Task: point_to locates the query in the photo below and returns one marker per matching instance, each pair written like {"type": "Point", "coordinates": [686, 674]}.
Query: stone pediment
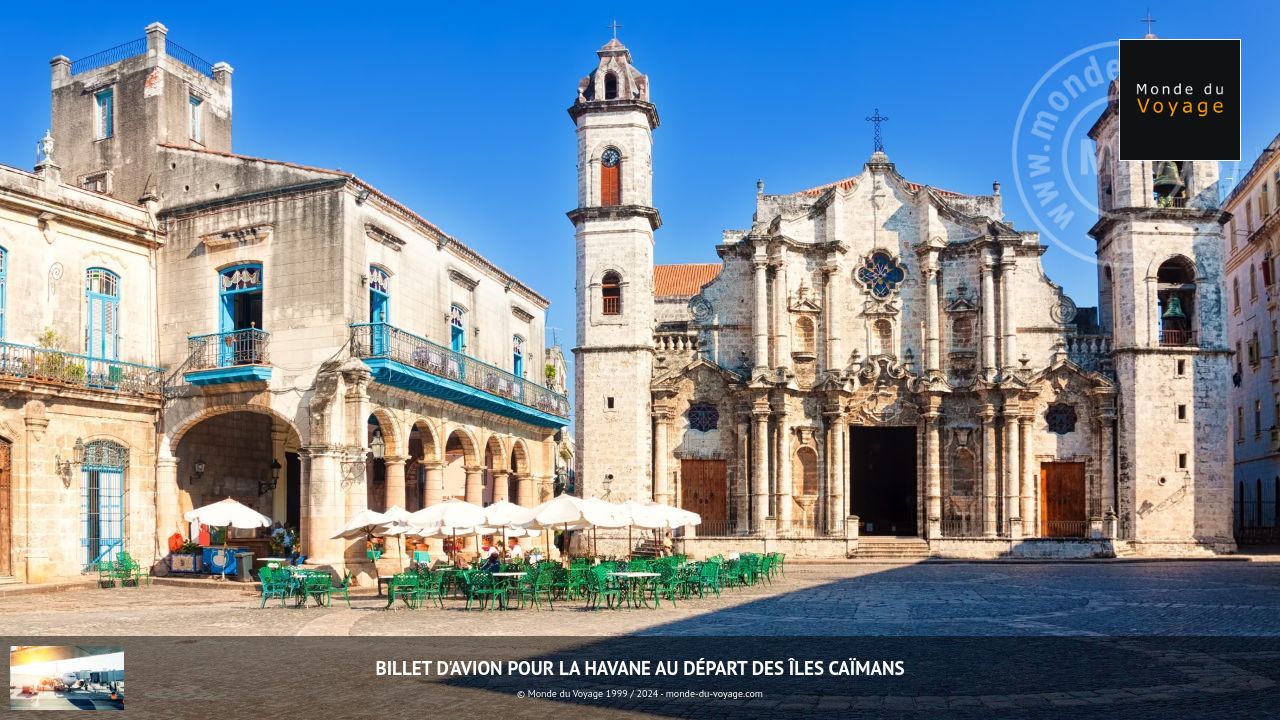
{"type": "Point", "coordinates": [699, 371]}
{"type": "Point", "coordinates": [962, 301]}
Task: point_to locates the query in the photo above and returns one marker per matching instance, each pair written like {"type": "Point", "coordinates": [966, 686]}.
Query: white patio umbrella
{"type": "Point", "coordinates": [360, 525]}
{"type": "Point", "coordinates": [657, 516]}
{"type": "Point", "coordinates": [450, 513]}
{"type": "Point", "coordinates": [570, 511]}
{"type": "Point", "coordinates": [504, 515]}
{"type": "Point", "coordinates": [396, 530]}
{"type": "Point", "coordinates": [227, 513]}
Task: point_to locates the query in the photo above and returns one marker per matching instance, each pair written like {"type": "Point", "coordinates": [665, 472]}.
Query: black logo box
{"type": "Point", "coordinates": [1187, 68]}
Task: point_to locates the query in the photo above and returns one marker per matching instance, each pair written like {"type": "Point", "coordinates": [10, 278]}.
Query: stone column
{"type": "Point", "coordinates": [781, 313]}
{"type": "Point", "coordinates": [434, 481]}
{"type": "Point", "coordinates": [1008, 266]}
{"type": "Point", "coordinates": [989, 363]}
{"type": "Point", "coordinates": [525, 491]}
{"type": "Point", "coordinates": [394, 486]}
{"type": "Point", "coordinates": [759, 470]}
{"type": "Point", "coordinates": [34, 564]}
{"type": "Point", "coordinates": [830, 304]}
{"type": "Point", "coordinates": [1029, 480]}
{"type": "Point", "coordinates": [473, 491]}
{"type": "Point", "coordinates": [661, 476]}
{"type": "Point", "coordinates": [742, 481]}
{"type": "Point", "coordinates": [168, 517]}
{"type": "Point", "coordinates": [280, 494]}
{"type": "Point", "coordinates": [932, 357]}
{"type": "Point", "coordinates": [990, 499]}
{"type": "Point", "coordinates": [760, 319]}
{"type": "Point", "coordinates": [837, 511]}
{"type": "Point", "coordinates": [933, 470]}
{"type": "Point", "coordinates": [501, 485]}
{"type": "Point", "coordinates": [782, 482]}
{"type": "Point", "coordinates": [1106, 466]}
{"type": "Point", "coordinates": [1013, 491]}
{"type": "Point", "coordinates": [324, 505]}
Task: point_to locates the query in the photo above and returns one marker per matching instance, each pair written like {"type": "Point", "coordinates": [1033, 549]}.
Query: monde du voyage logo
{"type": "Point", "coordinates": [1179, 99]}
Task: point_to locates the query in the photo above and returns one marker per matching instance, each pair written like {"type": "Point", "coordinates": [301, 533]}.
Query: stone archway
{"type": "Point", "coordinates": [423, 468]}
{"type": "Point", "coordinates": [497, 473]}
{"type": "Point", "coordinates": [463, 473]}
{"type": "Point", "coordinates": [520, 484]}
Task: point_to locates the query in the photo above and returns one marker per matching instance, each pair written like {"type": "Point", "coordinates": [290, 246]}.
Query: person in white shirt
{"type": "Point", "coordinates": [514, 551]}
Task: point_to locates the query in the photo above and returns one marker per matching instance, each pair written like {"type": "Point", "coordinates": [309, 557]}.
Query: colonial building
{"type": "Point", "coordinates": [78, 372]}
{"type": "Point", "coordinates": [326, 348]}
{"type": "Point", "coordinates": [878, 357]}
{"type": "Point", "coordinates": [1253, 242]}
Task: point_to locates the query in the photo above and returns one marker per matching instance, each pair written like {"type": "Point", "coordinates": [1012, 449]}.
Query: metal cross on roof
{"type": "Point", "coordinates": [614, 26]}
{"type": "Point", "coordinates": [877, 119]}
{"type": "Point", "coordinates": [1148, 20]}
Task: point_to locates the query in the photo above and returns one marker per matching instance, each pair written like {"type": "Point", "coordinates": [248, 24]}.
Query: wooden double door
{"type": "Point", "coordinates": [6, 510]}
{"type": "Point", "coordinates": [1062, 500]}
{"type": "Point", "coordinates": [704, 489]}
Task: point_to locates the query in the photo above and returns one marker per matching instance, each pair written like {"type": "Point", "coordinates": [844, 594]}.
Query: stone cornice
{"type": "Point", "coordinates": [616, 212]}
{"type": "Point", "coordinates": [587, 107]}
{"type": "Point", "coordinates": [1103, 227]}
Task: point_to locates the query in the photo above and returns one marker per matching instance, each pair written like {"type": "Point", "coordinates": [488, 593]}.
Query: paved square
{"type": "Point", "coordinates": [992, 599]}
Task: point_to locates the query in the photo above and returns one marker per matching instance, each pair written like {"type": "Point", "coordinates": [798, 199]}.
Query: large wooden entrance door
{"type": "Point", "coordinates": [6, 510]}
{"type": "Point", "coordinates": [882, 479]}
{"type": "Point", "coordinates": [1062, 500]}
{"type": "Point", "coordinates": [704, 489]}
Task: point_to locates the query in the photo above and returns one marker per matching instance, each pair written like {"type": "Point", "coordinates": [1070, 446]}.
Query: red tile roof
{"type": "Point", "coordinates": [850, 183]}
{"type": "Point", "coordinates": [683, 280]}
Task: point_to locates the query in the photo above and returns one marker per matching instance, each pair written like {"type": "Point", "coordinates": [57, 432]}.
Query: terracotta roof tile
{"type": "Point", "coordinates": [683, 280]}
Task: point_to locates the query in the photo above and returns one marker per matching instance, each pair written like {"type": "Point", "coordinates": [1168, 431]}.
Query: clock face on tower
{"type": "Point", "coordinates": [610, 157]}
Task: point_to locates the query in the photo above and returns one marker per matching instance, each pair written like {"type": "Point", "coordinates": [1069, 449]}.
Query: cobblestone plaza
{"type": "Point", "coordinates": [930, 599]}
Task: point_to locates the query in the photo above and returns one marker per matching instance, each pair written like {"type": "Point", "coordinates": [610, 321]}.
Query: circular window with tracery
{"type": "Point", "coordinates": [703, 417]}
{"type": "Point", "coordinates": [1061, 418]}
{"type": "Point", "coordinates": [880, 274]}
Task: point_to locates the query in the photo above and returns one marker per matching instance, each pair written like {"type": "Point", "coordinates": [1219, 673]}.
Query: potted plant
{"type": "Point", "coordinates": [187, 558]}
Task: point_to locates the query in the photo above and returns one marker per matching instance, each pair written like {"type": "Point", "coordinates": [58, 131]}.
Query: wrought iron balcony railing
{"type": "Point", "coordinates": [381, 340]}
{"type": "Point", "coordinates": [136, 48]}
{"type": "Point", "coordinates": [63, 368]}
{"type": "Point", "coordinates": [228, 349]}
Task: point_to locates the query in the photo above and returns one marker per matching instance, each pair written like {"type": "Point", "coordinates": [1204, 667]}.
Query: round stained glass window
{"type": "Point", "coordinates": [881, 275]}
{"type": "Point", "coordinates": [703, 417]}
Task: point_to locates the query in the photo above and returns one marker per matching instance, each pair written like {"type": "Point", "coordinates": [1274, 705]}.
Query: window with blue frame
{"type": "Point", "coordinates": [102, 328]}
{"type": "Point", "coordinates": [517, 356]}
{"type": "Point", "coordinates": [458, 328]}
{"type": "Point", "coordinates": [240, 317]}
{"type": "Point", "coordinates": [379, 307]}
{"type": "Point", "coordinates": [102, 501]}
{"type": "Point", "coordinates": [103, 114]}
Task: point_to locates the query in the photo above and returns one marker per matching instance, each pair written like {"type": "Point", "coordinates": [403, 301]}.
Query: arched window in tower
{"type": "Point", "coordinates": [1176, 290]}
{"type": "Point", "coordinates": [804, 345]}
{"type": "Point", "coordinates": [611, 293]}
{"type": "Point", "coordinates": [458, 328]}
{"type": "Point", "coordinates": [610, 86]}
{"type": "Point", "coordinates": [882, 337]}
{"type": "Point", "coordinates": [1105, 183]}
{"type": "Point", "coordinates": [610, 177]}
{"type": "Point", "coordinates": [1168, 183]}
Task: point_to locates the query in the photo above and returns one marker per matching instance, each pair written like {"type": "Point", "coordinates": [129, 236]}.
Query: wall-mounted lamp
{"type": "Point", "coordinates": [378, 445]}
{"type": "Point", "coordinates": [198, 470]}
{"type": "Point", "coordinates": [265, 487]}
{"type": "Point", "coordinates": [67, 468]}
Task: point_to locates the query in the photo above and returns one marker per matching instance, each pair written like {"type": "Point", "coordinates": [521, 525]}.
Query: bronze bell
{"type": "Point", "coordinates": [1168, 178]}
{"type": "Point", "coordinates": [1174, 310]}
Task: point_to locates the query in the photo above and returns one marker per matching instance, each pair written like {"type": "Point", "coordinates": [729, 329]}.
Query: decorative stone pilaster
{"type": "Point", "coordinates": [759, 469]}
{"type": "Point", "coordinates": [1028, 485]}
{"type": "Point", "coordinates": [1012, 477]}
{"type": "Point", "coordinates": [760, 318]}
{"type": "Point", "coordinates": [661, 474]}
{"type": "Point", "coordinates": [933, 469]}
{"type": "Point", "coordinates": [990, 497]}
{"type": "Point", "coordinates": [781, 311]}
{"type": "Point", "coordinates": [1008, 267]}
{"type": "Point", "coordinates": [989, 363]}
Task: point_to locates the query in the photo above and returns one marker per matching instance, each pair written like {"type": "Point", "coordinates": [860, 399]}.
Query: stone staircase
{"type": "Point", "coordinates": [889, 548]}
{"type": "Point", "coordinates": [8, 580]}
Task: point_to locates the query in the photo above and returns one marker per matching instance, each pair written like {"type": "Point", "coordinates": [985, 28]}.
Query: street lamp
{"type": "Point", "coordinates": [66, 468]}
{"type": "Point", "coordinates": [264, 487]}
{"type": "Point", "coordinates": [378, 445]}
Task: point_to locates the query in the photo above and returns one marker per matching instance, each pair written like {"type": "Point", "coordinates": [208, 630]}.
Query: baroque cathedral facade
{"type": "Point", "coordinates": [875, 358]}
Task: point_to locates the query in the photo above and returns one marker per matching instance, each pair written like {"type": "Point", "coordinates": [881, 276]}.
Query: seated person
{"type": "Point", "coordinates": [515, 553]}
{"type": "Point", "coordinates": [490, 563]}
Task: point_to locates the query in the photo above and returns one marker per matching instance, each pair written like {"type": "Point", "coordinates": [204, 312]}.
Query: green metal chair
{"type": "Point", "coordinates": [407, 586]}
{"type": "Point", "coordinates": [536, 586]}
{"type": "Point", "coordinates": [274, 584]}
{"type": "Point", "coordinates": [485, 590]}
{"type": "Point", "coordinates": [107, 574]}
{"type": "Point", "coordinates": [601, 587]}
{"type": "Point", "coordinates": [433, 586]}
{"type": "Point", "coordinates": [318, 586]}
{"type": "Point", "coordinates": [666, 585]}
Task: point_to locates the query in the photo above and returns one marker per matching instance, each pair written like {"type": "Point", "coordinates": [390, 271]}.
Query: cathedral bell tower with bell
{"type": "Point", "coordinates": [614, 223]}
{"type": "Point", "coordinates": [1161, 286]}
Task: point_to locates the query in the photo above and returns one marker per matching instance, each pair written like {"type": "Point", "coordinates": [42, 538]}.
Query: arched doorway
{"type": "Point", "coordinates": [495, 473]}
{"type": "Point", "coordinates": [376, 465]}
{"type": "Point", "coordinates": [248, 455]}
{"type": "Point", "coordinates": [423, 456]}
{"type": "Point", "coordinates": [460, 459]}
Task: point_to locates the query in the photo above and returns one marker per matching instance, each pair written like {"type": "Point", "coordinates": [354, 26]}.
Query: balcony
{"type": "Point", "coordinates": [229, 357]}
{"type": "Point", "coordinates": [404, 360]}
{"type": "Point", "coordinates": [54, 367]}
{"type": "Point", "coordinates": [1177, 338]}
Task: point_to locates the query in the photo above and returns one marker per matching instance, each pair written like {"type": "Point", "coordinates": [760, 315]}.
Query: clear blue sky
{"type": "Point", "coordinates": [459, 112]}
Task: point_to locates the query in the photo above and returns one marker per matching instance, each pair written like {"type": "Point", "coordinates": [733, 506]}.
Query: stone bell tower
{"type": "Point", "coordinates": [614, 223]}
{"type": "Point", "coordinates": [1161, 285]}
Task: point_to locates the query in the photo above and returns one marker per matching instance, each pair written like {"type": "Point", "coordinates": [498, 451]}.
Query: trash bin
{"type": "Point", "coordinates": [244, 565]}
